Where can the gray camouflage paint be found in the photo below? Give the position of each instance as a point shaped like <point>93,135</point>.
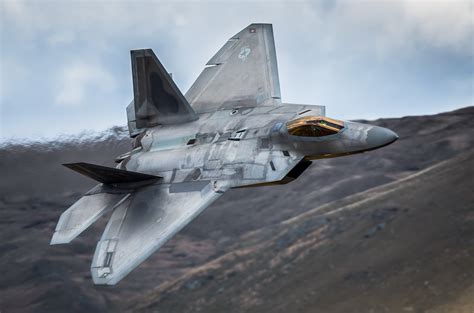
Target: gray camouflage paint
<point>245,161</point>
<point>229,131</point>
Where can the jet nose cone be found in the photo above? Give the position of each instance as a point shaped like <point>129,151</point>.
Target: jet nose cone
<point>378,137</point>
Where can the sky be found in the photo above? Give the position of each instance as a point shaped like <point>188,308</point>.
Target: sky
<point>65,65</point>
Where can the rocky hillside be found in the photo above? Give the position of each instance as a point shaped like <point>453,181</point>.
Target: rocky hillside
<point>406,246</point>
<point>335,232</point>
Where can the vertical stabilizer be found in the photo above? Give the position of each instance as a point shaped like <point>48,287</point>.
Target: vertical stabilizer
<point>156,98</point>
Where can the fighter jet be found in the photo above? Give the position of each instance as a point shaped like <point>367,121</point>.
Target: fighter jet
<point>230,130</point>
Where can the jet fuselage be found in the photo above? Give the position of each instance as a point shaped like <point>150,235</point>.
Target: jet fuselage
<point>246,146</point>
<point>229,130</point>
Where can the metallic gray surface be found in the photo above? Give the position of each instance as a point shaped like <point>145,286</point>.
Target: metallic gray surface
<point>251,55</point>
<point>82,214</point>
<point>232,135</point>
<point>379,136</point>
<point>142,224</point>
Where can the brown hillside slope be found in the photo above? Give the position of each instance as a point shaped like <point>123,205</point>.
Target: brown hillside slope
<point>407,246</point>
<point>35,189</point>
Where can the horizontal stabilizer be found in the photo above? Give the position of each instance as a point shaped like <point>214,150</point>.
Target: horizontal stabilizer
<point>82,214</point>
<point>109,175</point>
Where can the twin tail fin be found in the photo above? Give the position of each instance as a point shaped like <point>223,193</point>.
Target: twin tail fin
<point>156,98</point>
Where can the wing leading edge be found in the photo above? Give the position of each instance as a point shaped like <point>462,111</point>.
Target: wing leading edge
<point>242,73</point>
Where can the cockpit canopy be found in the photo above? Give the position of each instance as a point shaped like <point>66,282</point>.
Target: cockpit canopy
<point>314,126</point>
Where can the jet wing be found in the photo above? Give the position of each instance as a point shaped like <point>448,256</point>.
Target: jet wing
<point>143,222</point>
<point>242,74</point>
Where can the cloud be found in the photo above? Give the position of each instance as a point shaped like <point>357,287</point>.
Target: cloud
<point>352,56</point>
<point>391,28</point>
<point>79,79</point>
<point>61,37</point>
<point>447,24</point>
<point>16,71</point>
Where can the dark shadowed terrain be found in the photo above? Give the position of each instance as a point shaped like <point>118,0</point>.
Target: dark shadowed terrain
<point>386,231</point>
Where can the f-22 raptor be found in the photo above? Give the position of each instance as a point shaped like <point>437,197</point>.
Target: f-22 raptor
<point>230,130</point>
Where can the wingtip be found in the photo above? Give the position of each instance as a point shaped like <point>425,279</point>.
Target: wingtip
<point>59,239</point>
<point>107,279</point>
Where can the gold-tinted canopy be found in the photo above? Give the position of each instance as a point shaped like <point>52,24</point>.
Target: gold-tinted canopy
<point>314,126</point>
